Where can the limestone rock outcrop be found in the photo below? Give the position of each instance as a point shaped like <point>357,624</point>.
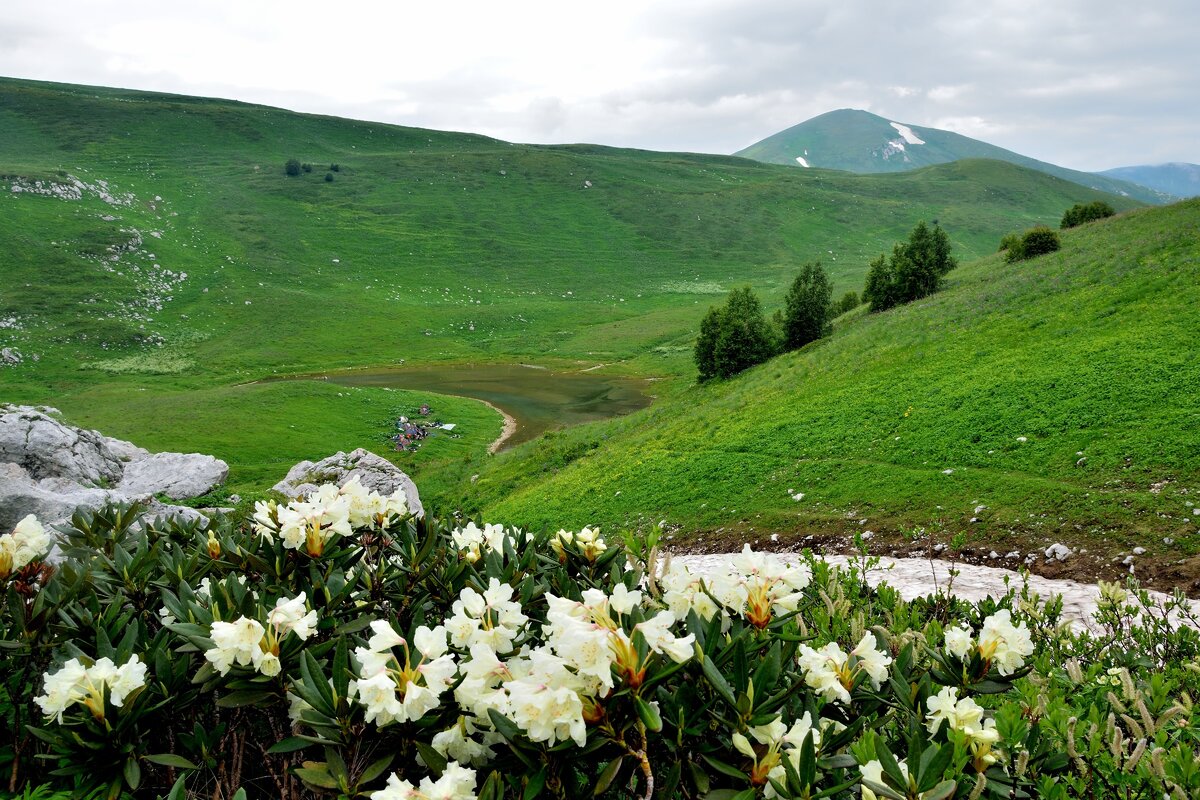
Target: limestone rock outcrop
<point>374,472</point>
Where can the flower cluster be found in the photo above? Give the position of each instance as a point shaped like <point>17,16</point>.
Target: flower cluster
<point>832,673</point>
<point>75,683</point>
<point>1000,642</point>
<point>756,587</point>
<point>963,715</point>
<point>780,742</point>
<point>587,541</point>
<point>457,783</point>
<point>27,542</point>
<point>490,618</point>
<point>472,541</point>
<point>247,642</point>
<point>395,690</point>
<point>327,513</point>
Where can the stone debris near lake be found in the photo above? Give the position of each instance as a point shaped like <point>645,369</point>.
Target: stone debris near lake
<point>373,472</point>
<point>52,469</point>
<point>917,577</point>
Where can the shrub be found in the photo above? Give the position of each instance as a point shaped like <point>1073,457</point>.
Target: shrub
<point>849,302</point>
<point>329,177</point>
<point>335,168</point>
<point>306,167</point>
<point>1034,242</point>
<point>806,307</point>
<point>733,337</point>
<point>1086,212</point>
<point>338,646</point>
<point>1010,241</point>
<point>292,167</point>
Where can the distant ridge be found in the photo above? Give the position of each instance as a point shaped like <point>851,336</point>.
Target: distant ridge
<point>862,142</point>
<point>1178,178</point>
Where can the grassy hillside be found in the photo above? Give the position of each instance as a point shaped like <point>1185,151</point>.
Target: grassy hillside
<point>1058,394</point>
<point>155,249</point>
<point>859,141</point>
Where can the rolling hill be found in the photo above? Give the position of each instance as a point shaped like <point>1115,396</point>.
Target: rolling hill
<point>159,261</point>
<point>859,141</point>
<point>1179,179</point>
<point>1047,401</point>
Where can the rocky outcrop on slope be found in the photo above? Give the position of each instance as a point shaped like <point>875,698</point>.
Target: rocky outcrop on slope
<point>53,469</point>
<point>373,472</point>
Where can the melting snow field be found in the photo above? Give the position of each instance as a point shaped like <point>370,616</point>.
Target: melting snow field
<point>914,577</point>
<point>907,134</point>
<point>801,160</point>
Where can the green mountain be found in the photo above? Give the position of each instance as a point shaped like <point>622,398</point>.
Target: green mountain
<point>1049,400</point>
<point>159,262</point>
<point>1177,178</point>
<point>858,141</point>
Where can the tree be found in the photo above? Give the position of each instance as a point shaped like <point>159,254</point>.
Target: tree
<point>914,270</point>
<point>329,177</point>
<point>1086,212</point>
<point>806,309</point>
<point>733,337</point>
<point>880,290</point>
<point>292,167</point>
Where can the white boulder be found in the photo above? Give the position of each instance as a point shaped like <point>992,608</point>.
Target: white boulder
<point>373,472</point>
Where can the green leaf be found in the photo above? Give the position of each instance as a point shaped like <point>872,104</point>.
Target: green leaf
<point>890,767</point>
<point>170,760</point>
<point>649,714</point>
<point>503,725</point>
<point>883,791</point>
<point>244,697</point>
<point>133,774</point>
<point>718,682</point>
<point>377,767</point>
<point>535,785</point>
<point>767,674</point>
<point>839,761</point>
<point>290,745</point>
<point>240,794</point>
<point>341,669</point>
<point>941,791</point>
<point>725,769</point>
<point>607,776</point>
<point>933,765</point>
<point>432,758</point>
<point>316,775</point>
<point>493,787</point>
<point>178,791</point>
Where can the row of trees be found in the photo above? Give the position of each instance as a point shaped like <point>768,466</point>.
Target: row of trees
<point>737,335</point>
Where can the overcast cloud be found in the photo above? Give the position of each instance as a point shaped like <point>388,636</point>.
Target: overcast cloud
<point>1088,85</point>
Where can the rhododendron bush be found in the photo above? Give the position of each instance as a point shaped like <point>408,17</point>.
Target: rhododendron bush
<point>337,646</point>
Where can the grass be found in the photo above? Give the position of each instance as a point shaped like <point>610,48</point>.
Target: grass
<point>1057,393</point>
<point>147,317</point>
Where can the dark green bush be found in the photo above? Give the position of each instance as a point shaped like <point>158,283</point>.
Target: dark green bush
<point>914,270</point>
<point>1034,242</point>
<point>292,167</point>
<point>329,177</point>
<point>306,167</point>
<point>733,337</point>
<point>849,302</point>
<point>806,308</point>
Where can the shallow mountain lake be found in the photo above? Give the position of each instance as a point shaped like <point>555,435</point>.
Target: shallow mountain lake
<point>538,399</point>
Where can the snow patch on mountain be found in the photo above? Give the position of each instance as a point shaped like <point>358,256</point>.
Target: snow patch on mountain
<point>801,161</point>
<point>907,134</point>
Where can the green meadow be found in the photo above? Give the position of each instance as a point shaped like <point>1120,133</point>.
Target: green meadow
<point>190,268</point>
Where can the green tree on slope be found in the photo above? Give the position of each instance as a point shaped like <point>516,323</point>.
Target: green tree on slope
<point>914,270</point>
<point>807,307</point>
<point>733,337</point>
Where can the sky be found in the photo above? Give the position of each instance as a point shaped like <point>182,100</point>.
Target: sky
<point>1087,85</point>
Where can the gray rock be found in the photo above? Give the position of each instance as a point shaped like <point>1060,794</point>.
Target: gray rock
<point>177,475</point>
<point>53,500</point>
<point>125,451</point>
<point>9,356</point>
<point>374,472</point>
<point>1059,552</point>
<point>48,448</point>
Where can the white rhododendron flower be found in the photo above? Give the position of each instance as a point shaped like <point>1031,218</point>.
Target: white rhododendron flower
<point>1004,644</point>
<point>457,783</point>
<point>832,672</point>
<point>873,771</point>
<point>75,683</point>
<point>756,586</point>
<point>660,639</point>
<point>962,715</point>
<point>492,618</point>
<point>544,698</point>
<point>27,542</point>
<point>247,642</point>
<point>588,541</point>
<point>472,541</point>
<point>684,592</point>
<point>958,641</point>
<point>392,689</point>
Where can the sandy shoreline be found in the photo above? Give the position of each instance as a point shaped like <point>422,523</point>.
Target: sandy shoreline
<point>510,426</point>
